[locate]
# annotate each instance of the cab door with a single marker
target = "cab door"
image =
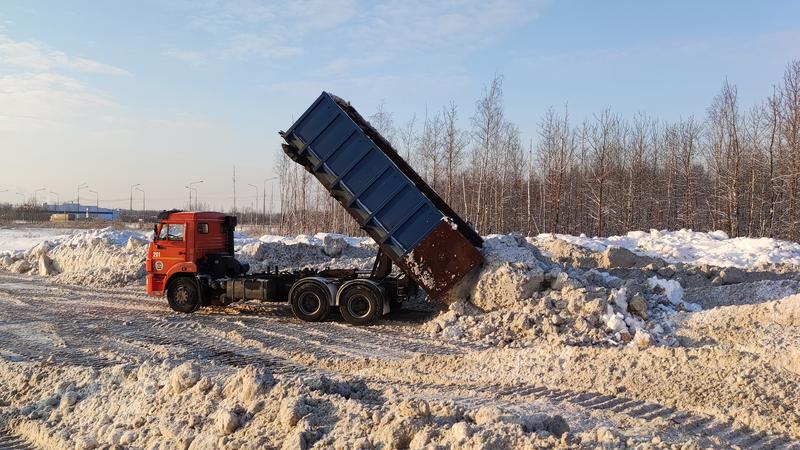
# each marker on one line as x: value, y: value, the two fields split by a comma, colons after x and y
x: 170, y: 247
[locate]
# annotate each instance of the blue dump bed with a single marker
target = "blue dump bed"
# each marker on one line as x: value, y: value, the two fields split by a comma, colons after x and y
x: 391, y: 202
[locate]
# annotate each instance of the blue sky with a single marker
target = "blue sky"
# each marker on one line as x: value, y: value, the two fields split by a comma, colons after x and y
x: 164, y: 93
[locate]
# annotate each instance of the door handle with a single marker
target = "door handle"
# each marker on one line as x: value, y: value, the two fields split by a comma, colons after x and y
x: 181, y: 253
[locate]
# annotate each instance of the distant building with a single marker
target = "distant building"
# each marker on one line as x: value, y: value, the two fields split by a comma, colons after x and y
x: 82, y: 212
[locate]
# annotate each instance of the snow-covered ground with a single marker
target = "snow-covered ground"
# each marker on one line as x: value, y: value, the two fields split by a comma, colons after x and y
x: 694, y: 247
x: 630, y: 349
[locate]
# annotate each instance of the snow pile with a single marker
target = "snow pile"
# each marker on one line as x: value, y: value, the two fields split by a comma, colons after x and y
x: 313, y: 240
x: 521, y: 297
x: 196, y: 407
x: 687, y: 246
x: 319, y: 251
x: 106, y: 257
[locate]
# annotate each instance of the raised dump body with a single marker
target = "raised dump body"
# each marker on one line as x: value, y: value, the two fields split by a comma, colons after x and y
x: 418, y: 230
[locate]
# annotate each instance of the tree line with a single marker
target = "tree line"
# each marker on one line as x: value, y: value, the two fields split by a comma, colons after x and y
x: 736, y: 169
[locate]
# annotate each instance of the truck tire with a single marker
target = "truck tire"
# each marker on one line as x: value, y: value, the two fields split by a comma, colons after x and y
x: 309, y: 302
x: 360, y: 304
x: 183, y: 295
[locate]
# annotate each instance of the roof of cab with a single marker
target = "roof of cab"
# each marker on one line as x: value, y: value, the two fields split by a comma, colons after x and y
x: 191, y: 215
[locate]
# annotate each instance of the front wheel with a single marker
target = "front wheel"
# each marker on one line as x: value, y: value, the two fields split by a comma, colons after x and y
x: 183, y: 295
x: 309, y: 302
x: 360, y: 304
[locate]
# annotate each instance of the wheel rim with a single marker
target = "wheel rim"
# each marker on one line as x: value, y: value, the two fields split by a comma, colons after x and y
x: 183, y: 296
x: 309, y: 303
x: 358, y: 306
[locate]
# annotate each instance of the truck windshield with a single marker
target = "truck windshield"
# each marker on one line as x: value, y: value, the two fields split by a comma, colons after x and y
x: 171, y: 232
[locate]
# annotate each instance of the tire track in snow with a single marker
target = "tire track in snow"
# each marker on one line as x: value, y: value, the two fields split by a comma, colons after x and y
x: 10, y: 441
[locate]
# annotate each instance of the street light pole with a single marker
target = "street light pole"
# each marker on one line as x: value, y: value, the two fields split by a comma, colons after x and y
x: 80, y: 186
x: 264, y: 207
x: 195, y: 194
x: 34, y: 195
x: 96, y: 201
x: 57, y: 199
x: 132, y: 186
x: 255, y: 205
x: 143, y: 199
x: 23, y: 198
x: 271, y: 191
x: 271, y: 187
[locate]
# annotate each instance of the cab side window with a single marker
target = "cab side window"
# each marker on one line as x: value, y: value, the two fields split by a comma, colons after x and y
x: 202, y: 228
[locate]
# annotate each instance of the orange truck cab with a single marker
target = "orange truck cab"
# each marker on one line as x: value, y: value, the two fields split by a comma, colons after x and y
x: 191, y: 260
x: 185, y: 242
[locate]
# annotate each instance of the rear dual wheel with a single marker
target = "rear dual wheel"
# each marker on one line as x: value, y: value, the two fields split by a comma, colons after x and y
x: 309, y: 302
x: 360, y: 304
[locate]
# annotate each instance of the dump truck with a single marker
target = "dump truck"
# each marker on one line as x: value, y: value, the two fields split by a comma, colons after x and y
x: 191, y: 259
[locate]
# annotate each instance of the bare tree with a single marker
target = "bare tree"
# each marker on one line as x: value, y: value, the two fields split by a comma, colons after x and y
x: 555, y: 158
x: 726, y: 155
x: 383, y: 121
x: 487, y: 126
x: 455, y: 142
x: 604, y: 141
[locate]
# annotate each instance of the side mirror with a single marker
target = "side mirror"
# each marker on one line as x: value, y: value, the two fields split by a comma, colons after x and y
x: 155, y: 232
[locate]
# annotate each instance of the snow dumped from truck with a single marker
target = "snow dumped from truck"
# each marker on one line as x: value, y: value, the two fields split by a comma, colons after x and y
x: 521, y: 296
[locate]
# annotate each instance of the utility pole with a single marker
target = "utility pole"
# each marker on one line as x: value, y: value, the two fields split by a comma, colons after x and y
x: 22, y: 201
x: 132, y: 186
